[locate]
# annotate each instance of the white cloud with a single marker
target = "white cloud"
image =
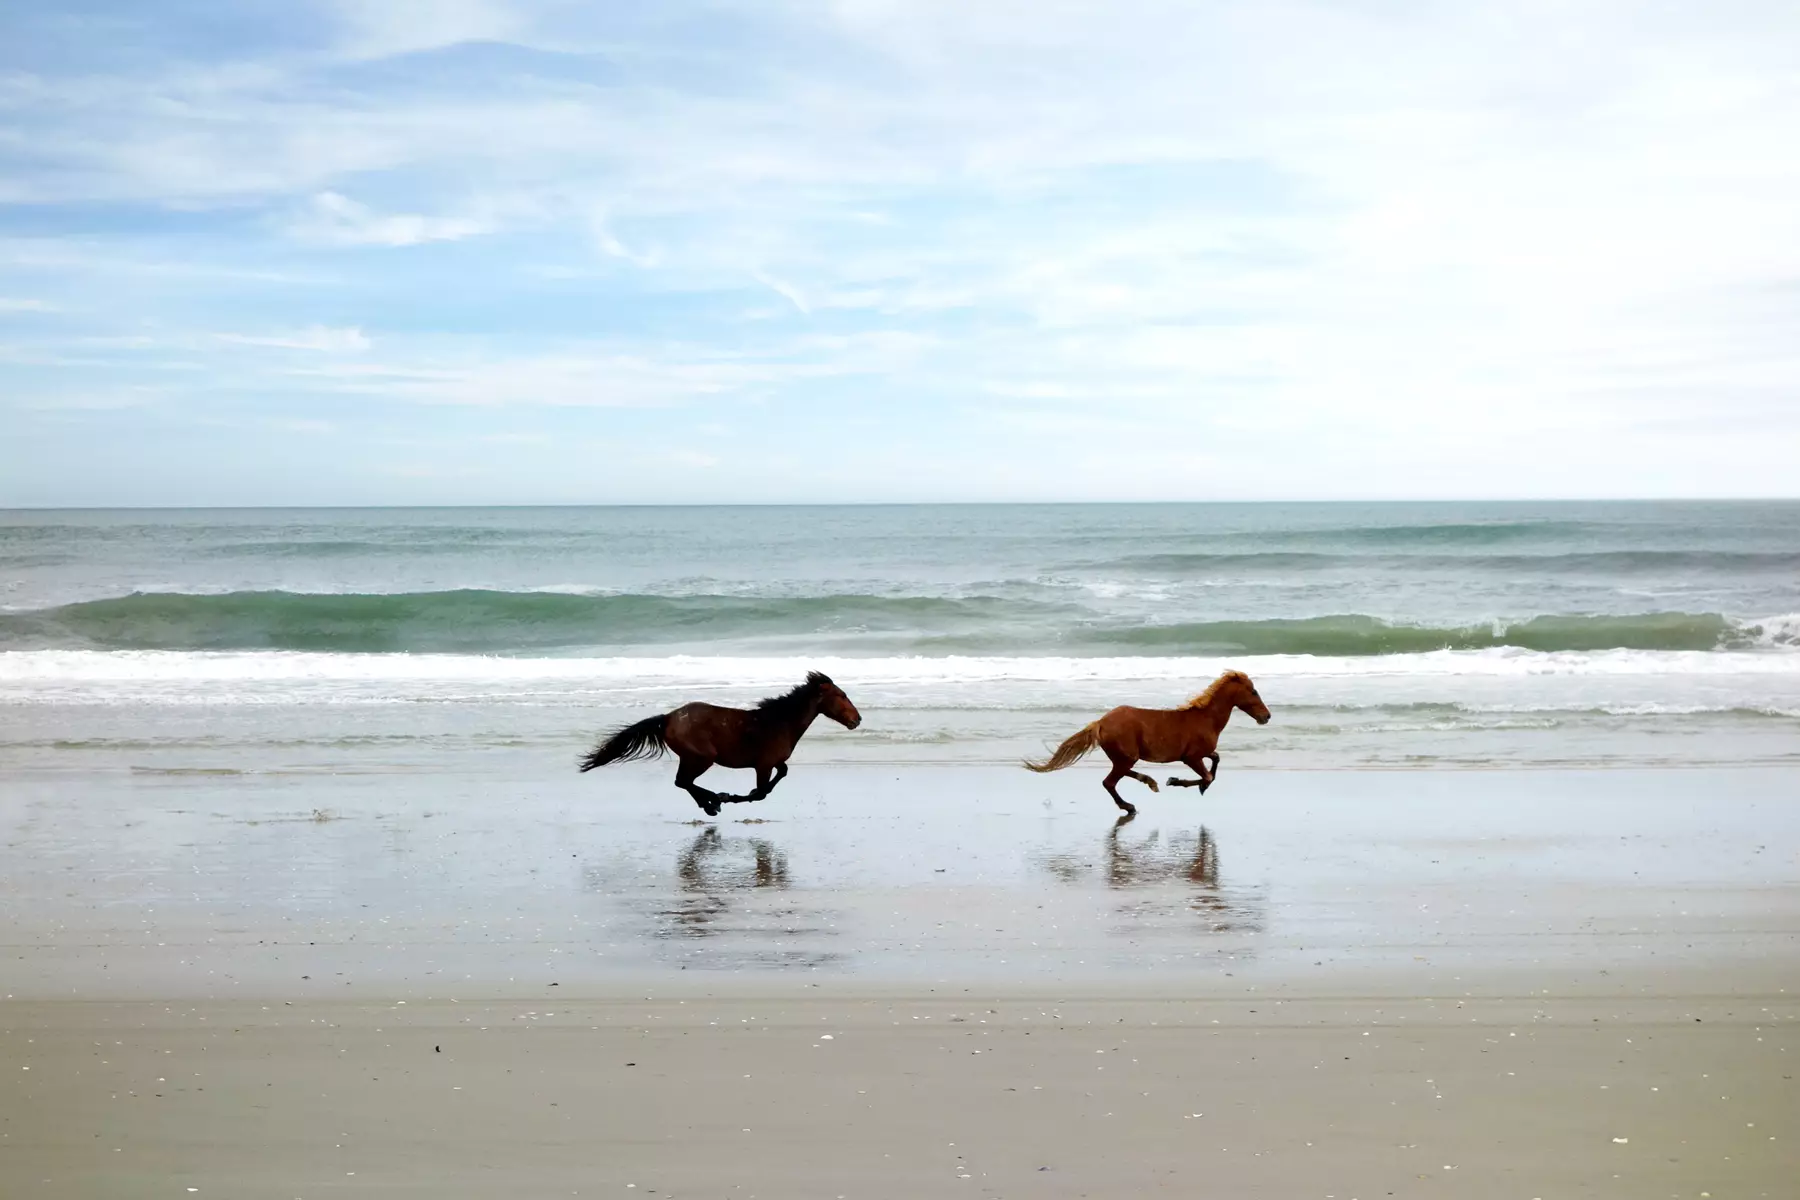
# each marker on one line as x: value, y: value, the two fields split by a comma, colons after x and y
x: 303, y: 425
x: 383, y: 28
x: 314, y: 337
x: 335, y: 220
x: 786, y: 291
x: 577, y: 378
x: 17, y: 304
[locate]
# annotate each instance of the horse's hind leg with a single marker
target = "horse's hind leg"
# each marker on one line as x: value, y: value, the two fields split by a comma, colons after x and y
x: 1122, y: 765
x: 1121, y: 769
x: 1198, y: 766
x: 1110, y: 783
x: 690, y: 770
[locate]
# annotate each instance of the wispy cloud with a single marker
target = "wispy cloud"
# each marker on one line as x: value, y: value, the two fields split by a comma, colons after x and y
x: 384, y: 28
x: 315, y: 337
x: 334, y: 220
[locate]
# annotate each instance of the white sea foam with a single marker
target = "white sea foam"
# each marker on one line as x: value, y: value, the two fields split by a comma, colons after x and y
x: 25, y: 667
x: 1780, y: 631
x: 1628, y: 682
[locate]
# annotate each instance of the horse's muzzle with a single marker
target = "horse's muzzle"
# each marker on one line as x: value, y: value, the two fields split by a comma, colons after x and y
x: 1263, y: 720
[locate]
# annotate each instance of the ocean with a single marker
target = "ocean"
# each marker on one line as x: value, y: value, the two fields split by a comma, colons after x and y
x: 1381, y: 635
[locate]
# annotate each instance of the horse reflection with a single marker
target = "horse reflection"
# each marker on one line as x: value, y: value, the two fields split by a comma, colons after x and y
x: 1151, y: 861
x: 711, y: 867
x: 702, y: 867
x: 1189, y: 862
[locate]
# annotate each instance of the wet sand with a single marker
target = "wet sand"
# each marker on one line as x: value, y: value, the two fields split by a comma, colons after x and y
x: 508, y: 981
x: 166, y: 880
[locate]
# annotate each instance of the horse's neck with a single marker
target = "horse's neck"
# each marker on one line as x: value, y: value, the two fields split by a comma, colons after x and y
x: 1217, y: 711
x: 801, y: 722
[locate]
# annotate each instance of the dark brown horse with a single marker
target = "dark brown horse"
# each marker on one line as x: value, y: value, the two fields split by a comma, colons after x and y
x: 1187, y: 735
x: 703, y: 735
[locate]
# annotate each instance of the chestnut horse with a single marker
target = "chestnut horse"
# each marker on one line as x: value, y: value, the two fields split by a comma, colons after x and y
x: 1187, y: 735
x: 704, y: 734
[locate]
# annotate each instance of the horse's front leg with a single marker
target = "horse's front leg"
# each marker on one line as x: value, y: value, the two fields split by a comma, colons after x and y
x: 766, y: 779
x: 691, y: 769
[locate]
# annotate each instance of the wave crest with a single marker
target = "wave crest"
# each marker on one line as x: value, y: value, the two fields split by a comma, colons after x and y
x: 494, y: 622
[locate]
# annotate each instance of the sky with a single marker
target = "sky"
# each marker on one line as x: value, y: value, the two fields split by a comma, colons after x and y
x: 549, y: 252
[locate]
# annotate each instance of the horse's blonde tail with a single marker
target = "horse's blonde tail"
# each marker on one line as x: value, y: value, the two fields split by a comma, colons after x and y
x: 1076, y: 745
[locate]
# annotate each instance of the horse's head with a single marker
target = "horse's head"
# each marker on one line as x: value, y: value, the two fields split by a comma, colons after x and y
x: 1244, y: 696
x: 833, y: 703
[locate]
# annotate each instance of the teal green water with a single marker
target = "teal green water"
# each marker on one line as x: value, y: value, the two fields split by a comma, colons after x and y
x: 1084, y: 580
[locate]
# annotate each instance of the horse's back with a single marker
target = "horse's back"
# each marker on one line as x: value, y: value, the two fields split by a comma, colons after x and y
x: 1151, y: 734
x: 700, y: 710
x: 1131, y: 715
x: 707, y: 729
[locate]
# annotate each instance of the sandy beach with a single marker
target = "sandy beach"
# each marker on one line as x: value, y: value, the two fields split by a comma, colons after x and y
x: 1676, y: 1084
x: 898, y: 982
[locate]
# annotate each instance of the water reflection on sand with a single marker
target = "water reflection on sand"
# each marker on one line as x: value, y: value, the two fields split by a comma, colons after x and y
x: 729, y: 904
x: 733, y: 901
x: 885, y: 872
x: 1173, y: 886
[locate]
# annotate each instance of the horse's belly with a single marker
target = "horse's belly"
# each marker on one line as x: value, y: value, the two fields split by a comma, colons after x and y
x: 1162, y: 754
x: 1149, y: 735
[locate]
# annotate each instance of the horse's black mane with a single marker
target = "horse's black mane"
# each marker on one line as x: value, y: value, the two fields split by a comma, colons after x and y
x: 791, y: 703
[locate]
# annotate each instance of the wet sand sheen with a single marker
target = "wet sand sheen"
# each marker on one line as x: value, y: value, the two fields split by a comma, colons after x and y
x: 123, y: 883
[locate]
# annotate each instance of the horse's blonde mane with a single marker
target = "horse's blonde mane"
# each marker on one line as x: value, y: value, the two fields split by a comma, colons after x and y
x: 1212, y: 689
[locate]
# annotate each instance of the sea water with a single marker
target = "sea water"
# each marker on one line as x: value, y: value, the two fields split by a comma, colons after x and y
x: 1381, y: 635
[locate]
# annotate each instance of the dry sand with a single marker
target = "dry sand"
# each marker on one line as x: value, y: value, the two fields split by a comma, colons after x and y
x: 1606, y: 1087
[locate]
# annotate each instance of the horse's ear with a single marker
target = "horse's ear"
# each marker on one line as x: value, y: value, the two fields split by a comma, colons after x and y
x: 816, y: 678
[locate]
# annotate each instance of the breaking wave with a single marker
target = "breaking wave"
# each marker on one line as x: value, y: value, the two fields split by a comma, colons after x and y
x: 471, y: 621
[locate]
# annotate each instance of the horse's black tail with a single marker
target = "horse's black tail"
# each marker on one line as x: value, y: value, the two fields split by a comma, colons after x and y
x: 643, y: 740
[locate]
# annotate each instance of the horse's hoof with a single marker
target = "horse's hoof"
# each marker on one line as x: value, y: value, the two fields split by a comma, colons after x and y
x: 1174, y: 781
x: 1204, y: 784
x: 1152, y: 784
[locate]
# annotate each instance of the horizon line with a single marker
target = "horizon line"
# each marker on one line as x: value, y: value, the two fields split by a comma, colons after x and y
x: 1761, y: 499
